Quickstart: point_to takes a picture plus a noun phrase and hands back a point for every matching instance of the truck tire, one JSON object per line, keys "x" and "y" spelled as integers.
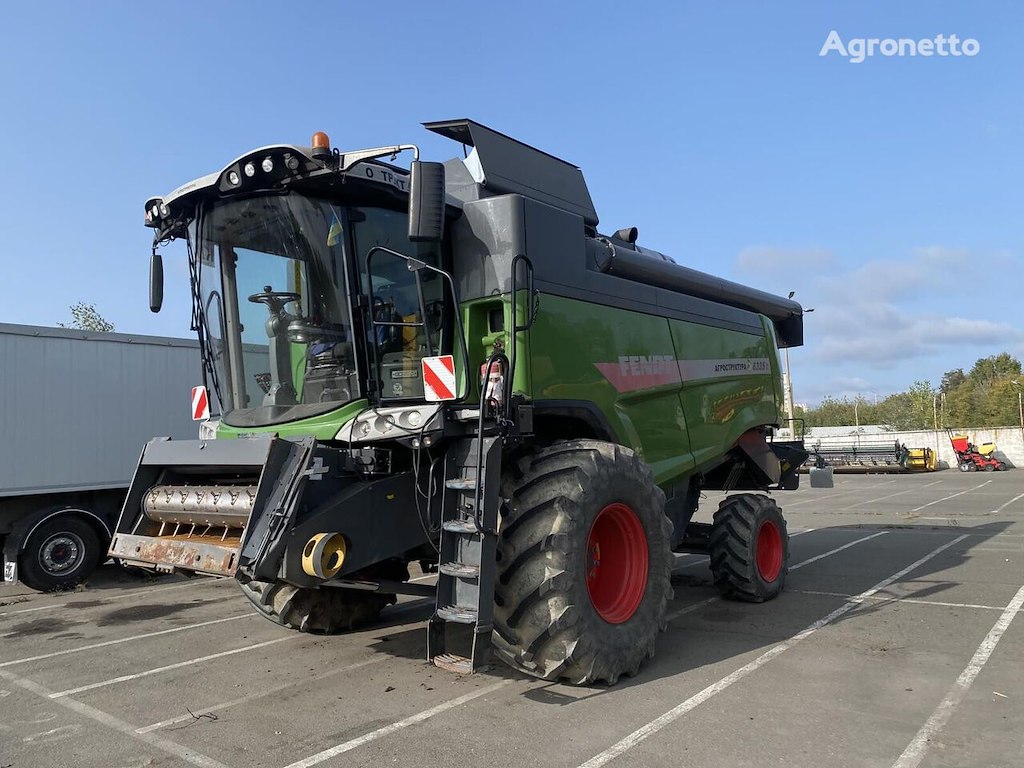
{"x": 59, "y": 554}
{"x": 749, "y": 548}
{"x": 583, "y": 564}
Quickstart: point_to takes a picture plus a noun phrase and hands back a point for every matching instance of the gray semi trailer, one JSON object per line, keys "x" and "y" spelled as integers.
{"x": 76, "y": 408}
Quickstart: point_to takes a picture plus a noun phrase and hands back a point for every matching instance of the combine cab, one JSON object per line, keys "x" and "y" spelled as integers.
{"x": 449, "y": 365}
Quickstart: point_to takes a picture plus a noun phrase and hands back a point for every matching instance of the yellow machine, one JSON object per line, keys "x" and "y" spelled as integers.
{"x": 920, "y": 459}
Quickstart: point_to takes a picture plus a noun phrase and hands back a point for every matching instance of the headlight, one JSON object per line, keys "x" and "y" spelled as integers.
{"x": 249, "y": 170}
{"x": 267, "y": 165}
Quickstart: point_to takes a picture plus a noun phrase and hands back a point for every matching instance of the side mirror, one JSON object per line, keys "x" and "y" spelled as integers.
{"x": 426, "y": 202}
{"x": 156, "y": 282}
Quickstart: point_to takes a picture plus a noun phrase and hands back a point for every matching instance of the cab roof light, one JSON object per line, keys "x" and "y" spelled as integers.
{"x": 321, "y": 143}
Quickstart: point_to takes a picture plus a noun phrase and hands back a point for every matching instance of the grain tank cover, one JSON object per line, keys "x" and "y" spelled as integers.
{"x": 502, "y": 165}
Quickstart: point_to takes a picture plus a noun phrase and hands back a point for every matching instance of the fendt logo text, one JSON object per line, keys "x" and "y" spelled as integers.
{"x": 858, "y": 49}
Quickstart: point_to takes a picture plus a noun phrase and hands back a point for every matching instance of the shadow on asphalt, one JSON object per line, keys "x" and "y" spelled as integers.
{"x": 711, "y": 634}
{"x": 730, "y": 629}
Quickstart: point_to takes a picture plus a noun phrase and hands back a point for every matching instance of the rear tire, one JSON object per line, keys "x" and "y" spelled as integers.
{"x": 583, "y": 564}
{"x": 59, "y": 554}
{"x": 749, "y": 548}
{"x": 323, "y": 610}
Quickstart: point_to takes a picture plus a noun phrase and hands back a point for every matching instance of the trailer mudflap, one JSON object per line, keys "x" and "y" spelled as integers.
{"x": 212, "y": 507}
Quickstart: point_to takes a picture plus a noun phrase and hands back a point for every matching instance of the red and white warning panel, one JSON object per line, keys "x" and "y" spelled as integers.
{"x": 439, "y": 378}
{"x": 200, "y": 404}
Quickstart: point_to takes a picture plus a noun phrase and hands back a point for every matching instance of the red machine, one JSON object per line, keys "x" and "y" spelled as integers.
{"x": 971, "y": 458}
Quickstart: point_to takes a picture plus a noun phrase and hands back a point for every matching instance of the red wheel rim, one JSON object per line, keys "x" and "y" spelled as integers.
{"x": 616, "y": 563}
{"x": 769, "y": 551}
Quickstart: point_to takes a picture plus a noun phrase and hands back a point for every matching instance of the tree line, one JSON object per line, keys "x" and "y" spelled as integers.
{"x": 988, "y": 395}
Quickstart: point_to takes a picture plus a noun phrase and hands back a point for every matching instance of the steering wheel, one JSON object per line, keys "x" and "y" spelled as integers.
{"x": 275, "y": 300}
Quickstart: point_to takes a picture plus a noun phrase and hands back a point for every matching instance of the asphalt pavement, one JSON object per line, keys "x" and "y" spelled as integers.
{"x": 896, "y": 643}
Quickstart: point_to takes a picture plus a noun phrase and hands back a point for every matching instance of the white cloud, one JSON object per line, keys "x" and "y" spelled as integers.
{"x": 760, "y": 260}
{"x": 883, "y": 313}
{"x": 882, "y": 323}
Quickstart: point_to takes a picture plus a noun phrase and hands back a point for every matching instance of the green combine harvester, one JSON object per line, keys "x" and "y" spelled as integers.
{"x": 450, "y": 366}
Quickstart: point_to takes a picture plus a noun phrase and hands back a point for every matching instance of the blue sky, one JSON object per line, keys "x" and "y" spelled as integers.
{"x": 886, "y": 193}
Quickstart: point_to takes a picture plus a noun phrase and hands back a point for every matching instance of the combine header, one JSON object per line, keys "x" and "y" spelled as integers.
{"x": 450, "y": 365}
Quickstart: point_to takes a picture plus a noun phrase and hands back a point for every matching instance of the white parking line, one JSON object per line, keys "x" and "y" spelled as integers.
{"x": 1004, "y": 506}
{"x": 898, "y": 599}
{"x": 892, "y": 495}
{"x": 690, "y": 608}
{"x": 169, "y": 667}
{"x": 419, "y": 717}
{"x": 695, "y": 701}
{"x": 916, "y": 750}
{"x": 703, "y": 561}
{"x": 159, "y": 742}
{"x": 124, "y": 640}
{"x": 260, "y": 694}
{"x": 105, "y": 598}
{"x": 837, "y": 549}
{"x": 829, "y": 497}
{"x": 952, "y": 496}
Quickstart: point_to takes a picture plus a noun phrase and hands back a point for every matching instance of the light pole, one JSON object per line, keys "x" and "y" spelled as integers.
{"x": 1020, "y": 402}
{"x": 788, "y": 390}
{"x": 787, "y": 384}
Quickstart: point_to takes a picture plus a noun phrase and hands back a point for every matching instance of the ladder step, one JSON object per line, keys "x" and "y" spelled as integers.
{"x": 461, "y": 484}
{"x": 460, "y": 614}
{"x": 453, "y": 663}
{"x": 460, "y": 526}
{"x": 460, "y": 570}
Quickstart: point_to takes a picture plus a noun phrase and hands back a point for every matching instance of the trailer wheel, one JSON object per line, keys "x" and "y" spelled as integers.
{"x": 583, "y": 564}
{"x": 59, "y": 554}
{"x": 749, "y": 548}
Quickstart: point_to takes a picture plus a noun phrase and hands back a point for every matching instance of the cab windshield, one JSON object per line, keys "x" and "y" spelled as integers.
{"x": 275, "y": 286}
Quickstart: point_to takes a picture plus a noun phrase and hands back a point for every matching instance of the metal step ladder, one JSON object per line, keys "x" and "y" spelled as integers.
{"x": 459, "y": 632}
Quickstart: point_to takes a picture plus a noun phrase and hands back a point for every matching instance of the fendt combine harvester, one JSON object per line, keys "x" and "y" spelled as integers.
{"x": 450, "y": 366}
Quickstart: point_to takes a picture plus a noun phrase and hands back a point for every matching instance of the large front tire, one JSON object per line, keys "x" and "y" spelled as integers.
{"x": 749, "y": 548}
{"x": 323, "y": 610}
{"x": 583, "y": 564}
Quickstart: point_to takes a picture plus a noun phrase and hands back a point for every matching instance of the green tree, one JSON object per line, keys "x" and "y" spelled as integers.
{"x": 85, "y": 317}
{"x": 952, "y": 379}
{"x": 988, "y": 369}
